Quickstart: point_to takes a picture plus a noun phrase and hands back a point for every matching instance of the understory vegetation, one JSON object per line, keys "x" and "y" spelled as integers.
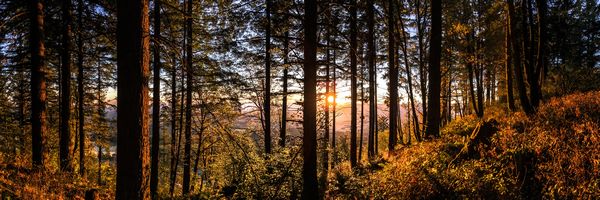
{"x": 554, "y": 154}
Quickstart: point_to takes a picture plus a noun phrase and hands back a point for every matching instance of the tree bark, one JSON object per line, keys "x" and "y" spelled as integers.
{"x": 353, "y": 86}
{"x": 81, "y": 94}
{"x": 409, "y": 79}
{"x": 421, "y": 51}
{"x": 267, "y": 100}
{"x": 133, "y": 59}
{"x": 155, "y": 103}
{"x": 309, "y": 147}
{"x": 173, "y": 169}
{"x": 372, "y": 76}
{"x": 283, "y": 130}
{"x": 517, "y": 60}
{"x": 65, "y": 139}
{"x": 509, "y": 72}
{"x": 393, "y": 79}
{"x": 188, "y": 101}
{"x": 435, "y": 50}
{"x": 541, "y": 54}
{"x": 38, "y": 83}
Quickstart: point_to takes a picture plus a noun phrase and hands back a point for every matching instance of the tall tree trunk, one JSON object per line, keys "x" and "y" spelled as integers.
{"x": 362, "y": 114}
{"x": 353, "y": 86}
{"x": 188, "y": 101}
{"x": 472, "y": 87}
{"x": 409, "y": 79}
{"x": 155, "y": 103}
{"x": 372, "y": 76}
{"x": 199, "y": 146}
{"x": 283, "y": 130}
{"x": 133, "y": 59}
{"x": 38, "y": 83}
{"x": 541, "y": 54}
{"x": 509, "y": 72}
{"x": 101, "y": 120}
{"x": 309, "y": 146}
{"x": 267, "y": 100}
{"x": 173, "y": 169}
{"x": 333, "y": 135}
{"x": 479, "y": 77}
{"x": 435, "y": 50}
{"x": 99, "y": 165}
{"x": 81, "y": 94}
{"x": 325, "y": 156}
{"x": 420, "y": 35}
{"x": 393, "y": 78}
{"x": 65, "y": 140}
{"x": 517, "y": 60}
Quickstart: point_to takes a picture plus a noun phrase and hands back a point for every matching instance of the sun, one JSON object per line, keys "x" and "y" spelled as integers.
{"x": 331, "y": 99}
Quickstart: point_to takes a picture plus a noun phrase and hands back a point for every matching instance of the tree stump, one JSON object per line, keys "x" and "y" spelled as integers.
{"x": 481, "y": 135}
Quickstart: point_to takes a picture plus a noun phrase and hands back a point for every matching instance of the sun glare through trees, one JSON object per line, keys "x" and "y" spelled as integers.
{"x": 299, "y": 99}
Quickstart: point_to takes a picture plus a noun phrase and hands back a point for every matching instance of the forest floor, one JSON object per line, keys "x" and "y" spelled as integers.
{"x": 554, "y": 154}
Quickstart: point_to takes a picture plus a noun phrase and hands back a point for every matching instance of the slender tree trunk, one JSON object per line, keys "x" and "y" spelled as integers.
{"x": 333, "y": 136}
{"x": 38, "y": 83}
{"x": 517, "y": 60}
{"x": 99, "y": 165}
{"x": 188, "y": 101}
{"x": 309, "y": 168}
{"x": 479, "y": 77}
{"x": 372, "y": 76}
{"x": 155, "y": 103}
{"x": 101, "y": 120}
{"x": 181, "y": 119}
{"x": 199, "y": 147}
{"x": 65, "y": 139}
{"x": 267, "y": 100}
{"x": 409, "y": 79}
{"x": 393, "y": 78}
{"x": 325, "y": 156}
{"x": 353, "y": 86}
{"x": 421, "y": 50}
{"x": 541, "y": 54}
{"x": 472, "y": 87}
{"x": 283, "y": 130}
{"x": 21, "y": 105}
{"x": 362, "y": 114}
{"x": 435, "y": 50}
{"x": 509, "y": 72}
{"x": 81, "y": 94}
{"x": 133, "y": 61}
{"x": 173, "y": 169}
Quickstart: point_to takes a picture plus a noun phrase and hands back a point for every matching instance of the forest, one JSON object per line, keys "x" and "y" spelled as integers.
{"x": 299, "y": 99}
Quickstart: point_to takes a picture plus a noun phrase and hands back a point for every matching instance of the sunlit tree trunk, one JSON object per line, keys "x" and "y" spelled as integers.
{"x": 38, "y": 83}
{"x": 133, "y": 59}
